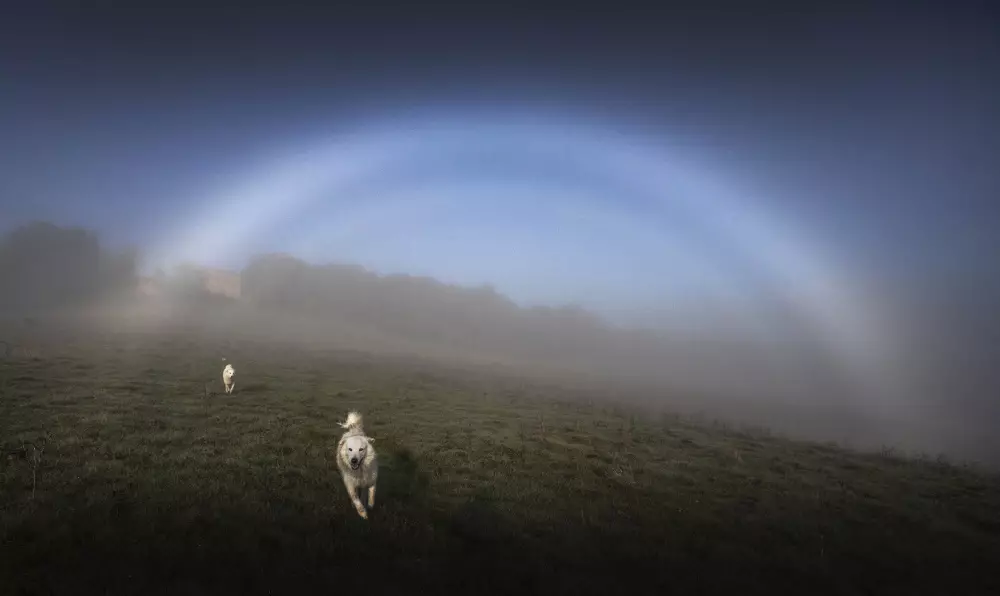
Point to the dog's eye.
(350, 449)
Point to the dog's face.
(354, 450)
(229, 371)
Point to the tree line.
(416, 307)
(44, 266)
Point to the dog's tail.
(353, 421)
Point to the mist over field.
(63, 281)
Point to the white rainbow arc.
(796, 268)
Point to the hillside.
(126, 470)
(785, 381)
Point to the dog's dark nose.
(354, 460)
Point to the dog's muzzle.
(355, 463)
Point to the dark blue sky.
(872, 133)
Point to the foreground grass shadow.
(193, 542)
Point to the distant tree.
(44, 266)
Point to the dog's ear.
(370, 440)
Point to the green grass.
(122, 474)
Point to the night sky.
(871, 135)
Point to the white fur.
(227, 378)
(353, 421)
(354, 445)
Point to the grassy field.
(126, 470)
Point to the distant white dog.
(357, 462)
(227, 378)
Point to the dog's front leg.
(371, 496)
(232, 387)
(352, 491)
